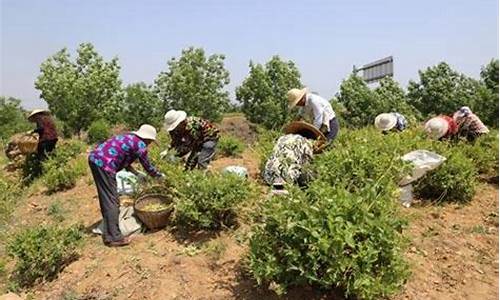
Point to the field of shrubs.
(344, 232)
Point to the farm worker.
(46, 129)
(469, 124)
(390, 121)
(316, 109)
(109, 157)
(192, 135)
(441, 128)
(290, 153)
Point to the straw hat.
(37, 111)
(174, 118)
(436, 127)
(385, 121)
(294, 96)
(308, 131)
(146, 132)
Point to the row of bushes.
(344, 231)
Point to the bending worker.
(192, 135)
(46, 129)
(390, 122)
(316, 110)
(469, 124)
(109, 157)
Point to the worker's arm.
(148, 167)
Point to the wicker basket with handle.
(27, 143)
(153, 219)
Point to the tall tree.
(392, 98)
(360, 103)
(81, 91)
(195, 83)
(486, 106)
(12, 117)
(141, 105)
(442, 90)
(263, 92)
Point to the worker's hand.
(162, 177)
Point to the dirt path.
(453, 252)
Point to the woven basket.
(153, 219)
(27, 144)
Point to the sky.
(324, 38)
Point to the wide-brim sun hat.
(308, 131)
(436, 127)
(146, 132)
(294, 96)
(173, 118)
(37, 111)
(464, 111)
(385, 121)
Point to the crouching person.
(441, 128)
(469, 124)
(109, 157)
(192, 135)
(388, 122)
(291, 153)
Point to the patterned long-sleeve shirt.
(290, 154)
(191, 137)
(120, 152)
(469, 124)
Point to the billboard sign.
(377, 70)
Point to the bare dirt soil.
(238, 126)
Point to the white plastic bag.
(126, 182)
(423, 161)
(238, 170)
(127, 222)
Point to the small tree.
(195, 83)
(12, 117)
(489, 75)
(82, 91)
(263, 92)
(441, 90)
(141, 105)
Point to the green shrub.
(58, 173)
(209, 202)
(98, 132)
(454, 180)
(484, 154)
(230, 146)
(9, 194)
(42, 252)
(12, 118)
(329, 237)
(265, 144)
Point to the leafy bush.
(484, 154)
(454, 180)
(210, 202)
(265, 144)
(42, 252)
(9, 194)
(328, 237)
(58, 173)
(98, 132)
(230, 146)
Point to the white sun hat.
(436, 127)
(37, 111)
(146, 132)
(294, 96)
(174, 118)
(385, 121)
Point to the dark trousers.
(334, 130)
(109, 203)
(44, 148)
(202, 157)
